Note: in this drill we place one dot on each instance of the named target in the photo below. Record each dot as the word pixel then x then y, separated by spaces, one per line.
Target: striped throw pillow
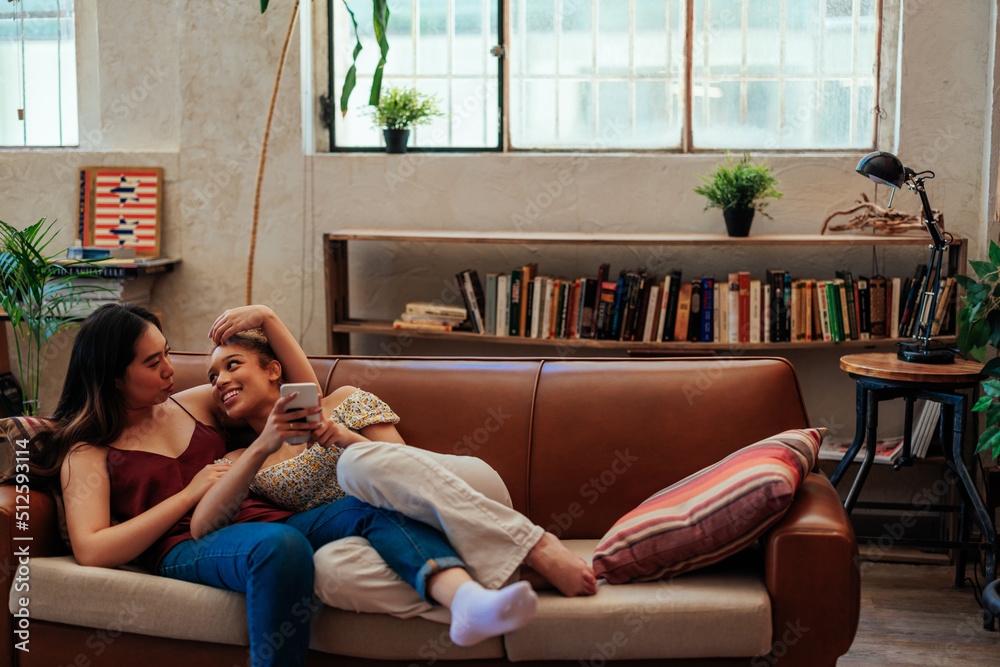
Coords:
pixel 711 514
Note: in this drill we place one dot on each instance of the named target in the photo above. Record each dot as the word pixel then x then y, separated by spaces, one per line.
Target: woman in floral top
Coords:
pixel 358 438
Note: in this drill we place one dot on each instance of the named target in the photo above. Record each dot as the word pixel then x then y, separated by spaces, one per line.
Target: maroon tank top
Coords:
pixel 141 480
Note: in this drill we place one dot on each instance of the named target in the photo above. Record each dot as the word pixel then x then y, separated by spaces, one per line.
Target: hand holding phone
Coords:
pixel 308 397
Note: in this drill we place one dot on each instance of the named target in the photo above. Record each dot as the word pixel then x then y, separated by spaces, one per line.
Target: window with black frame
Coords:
pixel 634 75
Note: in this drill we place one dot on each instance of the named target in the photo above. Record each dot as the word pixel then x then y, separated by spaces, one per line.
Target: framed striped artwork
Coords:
pixel 122 207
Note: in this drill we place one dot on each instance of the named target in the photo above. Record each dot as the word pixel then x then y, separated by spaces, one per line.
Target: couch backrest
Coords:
pixel 578 442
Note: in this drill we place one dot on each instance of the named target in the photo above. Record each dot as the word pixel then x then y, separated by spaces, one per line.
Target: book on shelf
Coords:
pixel 864 308
pixel 878 310
pixel 514 302
pixel 887 450
pixel 588 302
pixel 707 310
pixel 116 268
pixel 475 298
pixel 943 306
pixel 528 273
pixel 573 310
pixel 602 277
pixel 502 305
pixel 756 304
pixel 850 305
pixel 694 312
pixel 415 318
pixel 422 326
pixel 651 324
pixel 671 305
pixel 491 304
pixel 429 308
pixel 681 322
pixel 909 310
pixel 893 291
pixel 732 323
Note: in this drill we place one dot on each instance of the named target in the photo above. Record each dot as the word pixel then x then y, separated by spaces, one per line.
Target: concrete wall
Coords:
pixel 186 84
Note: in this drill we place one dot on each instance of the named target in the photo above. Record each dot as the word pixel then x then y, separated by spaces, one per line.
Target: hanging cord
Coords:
pixel 263 153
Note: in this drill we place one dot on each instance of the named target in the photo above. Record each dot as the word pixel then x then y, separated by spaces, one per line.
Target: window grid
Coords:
pixel 821 80
pixel 521 79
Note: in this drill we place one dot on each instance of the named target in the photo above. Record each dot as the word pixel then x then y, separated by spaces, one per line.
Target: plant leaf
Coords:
pixel 380 17
pixel 982 269
pixel 352 74
pixel 990 440
pixel 992 367
pixel 983 403
pixel 994 253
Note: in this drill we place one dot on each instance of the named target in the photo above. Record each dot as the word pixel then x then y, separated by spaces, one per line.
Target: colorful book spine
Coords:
pixel 707 309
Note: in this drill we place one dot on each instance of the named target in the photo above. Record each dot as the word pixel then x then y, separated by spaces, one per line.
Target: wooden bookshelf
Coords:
pixel 340 325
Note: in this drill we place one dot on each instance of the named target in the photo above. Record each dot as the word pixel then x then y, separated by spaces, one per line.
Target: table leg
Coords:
pixel 871 410
pixel 859 437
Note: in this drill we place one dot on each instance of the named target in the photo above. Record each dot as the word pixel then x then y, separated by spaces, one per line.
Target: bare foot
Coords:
pixel 556 564
pixel 537 581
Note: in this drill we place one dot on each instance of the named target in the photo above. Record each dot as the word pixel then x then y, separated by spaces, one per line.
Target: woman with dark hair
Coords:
pixel 126 450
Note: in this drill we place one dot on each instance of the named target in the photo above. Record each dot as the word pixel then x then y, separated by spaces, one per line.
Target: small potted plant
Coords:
pixel 739 190
pixel 398 110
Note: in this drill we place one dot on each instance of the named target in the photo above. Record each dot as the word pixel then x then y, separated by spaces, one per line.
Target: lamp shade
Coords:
pixel 883 168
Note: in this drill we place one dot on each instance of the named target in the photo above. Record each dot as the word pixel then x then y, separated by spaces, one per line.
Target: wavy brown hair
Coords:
pixel 91 408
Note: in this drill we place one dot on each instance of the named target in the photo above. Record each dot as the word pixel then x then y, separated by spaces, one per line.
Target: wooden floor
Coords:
pixel 913 615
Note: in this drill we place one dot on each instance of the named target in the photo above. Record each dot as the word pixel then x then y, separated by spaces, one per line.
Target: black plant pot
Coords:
pixel 395 140
pixel 738 220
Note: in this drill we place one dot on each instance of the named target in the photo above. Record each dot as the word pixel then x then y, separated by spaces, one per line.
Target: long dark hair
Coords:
pixel 91 408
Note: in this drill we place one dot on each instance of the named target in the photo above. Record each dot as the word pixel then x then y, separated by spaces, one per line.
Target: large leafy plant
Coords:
pixel 739 186
pixel 978 330
pixel 37 297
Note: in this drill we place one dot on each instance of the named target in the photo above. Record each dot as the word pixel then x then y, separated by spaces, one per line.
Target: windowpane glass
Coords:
pixel 439 47
pixel 620 67
pixel 784 75
pixel 38 74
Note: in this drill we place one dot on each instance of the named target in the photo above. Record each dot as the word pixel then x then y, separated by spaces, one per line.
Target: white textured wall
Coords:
pixel 186 84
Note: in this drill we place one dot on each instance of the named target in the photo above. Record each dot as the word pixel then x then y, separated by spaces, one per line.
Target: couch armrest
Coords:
pixel 42 528
pixel 812 575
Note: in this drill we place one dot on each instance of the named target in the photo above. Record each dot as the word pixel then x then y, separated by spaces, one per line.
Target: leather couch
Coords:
pixel 579 442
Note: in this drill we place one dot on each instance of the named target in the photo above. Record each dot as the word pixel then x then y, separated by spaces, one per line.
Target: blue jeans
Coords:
pixel 272 563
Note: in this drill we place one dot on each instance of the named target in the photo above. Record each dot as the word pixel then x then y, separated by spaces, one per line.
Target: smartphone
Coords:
pixel 308 397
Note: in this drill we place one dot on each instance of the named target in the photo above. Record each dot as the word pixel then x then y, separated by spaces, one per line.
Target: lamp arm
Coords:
pixel 932 228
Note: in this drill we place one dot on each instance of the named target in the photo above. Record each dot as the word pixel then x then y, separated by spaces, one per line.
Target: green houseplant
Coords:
pixel 740 190
pixel 400 109
pixel 979 330
pixel 37 297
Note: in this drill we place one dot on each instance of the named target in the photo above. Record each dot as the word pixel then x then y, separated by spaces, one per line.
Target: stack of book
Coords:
pixel 888 450
pixel 426 316
pixel 642 307
pixel 90 293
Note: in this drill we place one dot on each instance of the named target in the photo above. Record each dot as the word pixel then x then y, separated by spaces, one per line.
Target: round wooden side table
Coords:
pixel 882 377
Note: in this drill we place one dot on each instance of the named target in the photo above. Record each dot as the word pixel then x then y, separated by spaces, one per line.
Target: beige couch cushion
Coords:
pixel 129 601
pixel 720 611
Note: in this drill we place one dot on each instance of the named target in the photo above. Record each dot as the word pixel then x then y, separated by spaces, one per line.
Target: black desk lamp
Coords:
pixel 886 169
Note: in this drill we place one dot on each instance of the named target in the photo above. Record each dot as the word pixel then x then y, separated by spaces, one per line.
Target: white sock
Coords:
pixel 478 613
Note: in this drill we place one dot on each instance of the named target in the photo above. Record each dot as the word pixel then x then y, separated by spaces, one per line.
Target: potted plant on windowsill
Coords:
pixel 740 190
pixel 398 110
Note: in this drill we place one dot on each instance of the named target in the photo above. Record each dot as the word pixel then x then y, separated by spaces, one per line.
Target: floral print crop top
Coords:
pixel 310 479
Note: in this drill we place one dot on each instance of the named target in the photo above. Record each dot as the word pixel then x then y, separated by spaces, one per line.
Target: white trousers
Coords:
pixel 461 496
